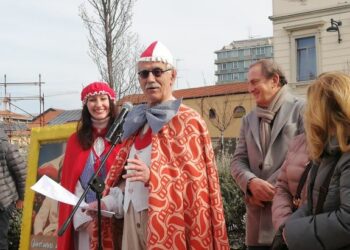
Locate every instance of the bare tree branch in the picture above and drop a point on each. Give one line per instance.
(112, 46)
(224, 113)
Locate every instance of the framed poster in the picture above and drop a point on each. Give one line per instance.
(40, 214)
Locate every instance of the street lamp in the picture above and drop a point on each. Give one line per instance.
(335, 27)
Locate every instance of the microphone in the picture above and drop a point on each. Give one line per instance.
(116, 130)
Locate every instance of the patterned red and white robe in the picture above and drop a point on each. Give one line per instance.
(185, 204)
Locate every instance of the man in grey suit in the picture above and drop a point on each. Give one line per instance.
(262, 146)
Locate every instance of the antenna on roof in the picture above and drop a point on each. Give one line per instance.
(188, 84)
(177, 69)
(204, 80)
(250, 34)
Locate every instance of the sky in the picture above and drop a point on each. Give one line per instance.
(48, 37)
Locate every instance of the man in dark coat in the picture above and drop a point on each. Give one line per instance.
(12, 184)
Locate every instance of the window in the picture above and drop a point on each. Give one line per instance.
(233, 53)
(240, 64)
(246, 52)
(241, 76)
(238, 112)
(306, 58)
(268, 51)
(212, 113)
(222, 55)
(247, 64)
(260, 51)
(305, 44)
(225, 77)
(225, 66)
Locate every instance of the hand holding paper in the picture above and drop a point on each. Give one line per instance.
(48, 187)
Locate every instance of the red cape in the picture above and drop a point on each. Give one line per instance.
(185, 205)
(73, 165)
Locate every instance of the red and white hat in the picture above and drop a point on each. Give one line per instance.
(157, 52)
(97, 88)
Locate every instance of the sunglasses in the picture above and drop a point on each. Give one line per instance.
(157, 72)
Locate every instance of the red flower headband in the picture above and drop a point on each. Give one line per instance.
(97, 88)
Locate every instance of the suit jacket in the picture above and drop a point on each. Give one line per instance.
(248, 162)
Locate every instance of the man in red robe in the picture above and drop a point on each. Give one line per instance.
(172, 196)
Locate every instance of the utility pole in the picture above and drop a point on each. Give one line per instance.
(178, 70)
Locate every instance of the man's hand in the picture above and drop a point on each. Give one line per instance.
(261, 190)
(19, 204)
(140, 171)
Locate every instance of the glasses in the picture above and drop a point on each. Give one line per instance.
(157, 72)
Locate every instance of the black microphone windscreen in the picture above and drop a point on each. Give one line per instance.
(127, 105)
(117, 127)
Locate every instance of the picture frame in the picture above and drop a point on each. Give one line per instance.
(46, 151)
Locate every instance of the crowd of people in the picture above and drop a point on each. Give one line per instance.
(291, 163)
(164, 182)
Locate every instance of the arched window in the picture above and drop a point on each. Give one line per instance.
(212, 113)
(238, 112)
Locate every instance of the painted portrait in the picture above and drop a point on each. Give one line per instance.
(40, 214)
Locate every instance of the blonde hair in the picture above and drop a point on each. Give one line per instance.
(327, 112)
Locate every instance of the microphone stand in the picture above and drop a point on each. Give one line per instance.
(97, 185)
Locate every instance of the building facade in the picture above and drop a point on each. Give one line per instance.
(304, 44)
(233, 60)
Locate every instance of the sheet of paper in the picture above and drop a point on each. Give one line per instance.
(48, 187)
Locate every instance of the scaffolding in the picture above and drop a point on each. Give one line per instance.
(7, 99)
(10, 120)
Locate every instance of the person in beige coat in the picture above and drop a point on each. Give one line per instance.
(297, 161)
(263, 143)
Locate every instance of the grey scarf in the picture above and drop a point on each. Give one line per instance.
(156, 116)
(267, 115)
